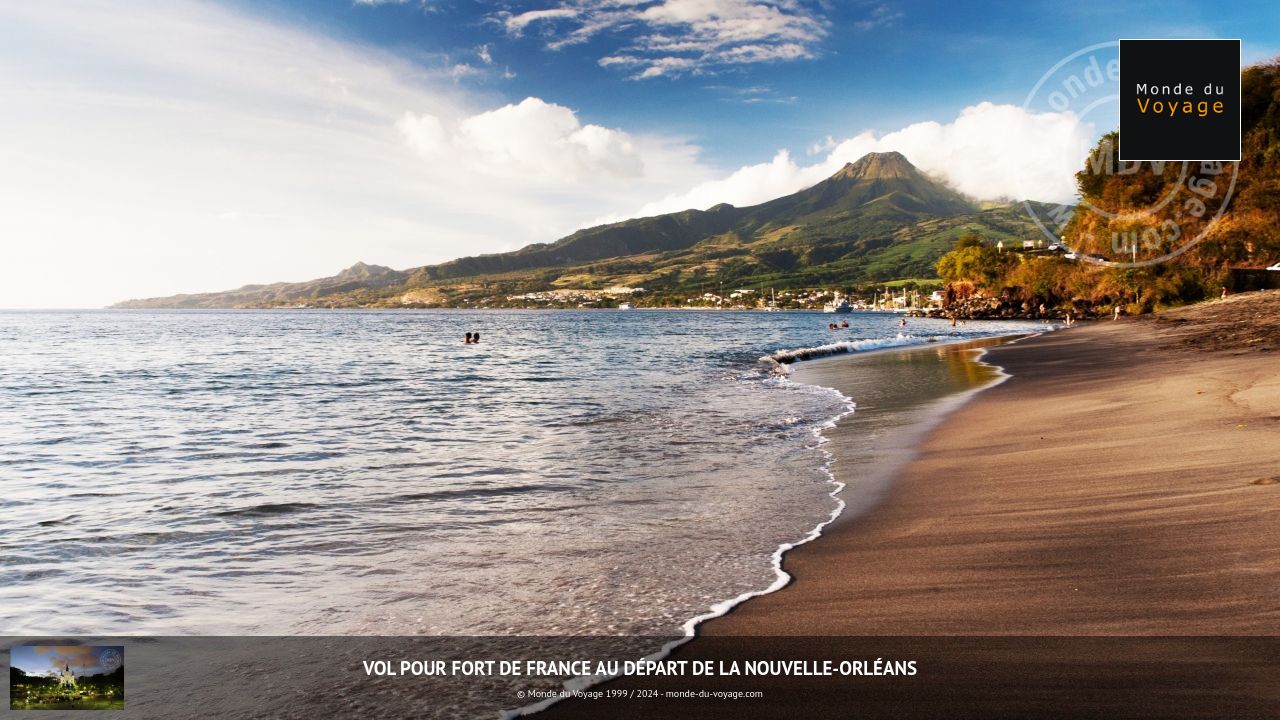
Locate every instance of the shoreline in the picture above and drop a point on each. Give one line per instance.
(1118, 488)
(921, 416)
(924, 416)
(1012, 455)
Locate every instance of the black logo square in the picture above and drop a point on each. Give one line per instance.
(1179, 100)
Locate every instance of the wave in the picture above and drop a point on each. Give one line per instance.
(267, 509)
(780, 359)
(786, 357)
(689, 629)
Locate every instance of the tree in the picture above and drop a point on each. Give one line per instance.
(972, 260)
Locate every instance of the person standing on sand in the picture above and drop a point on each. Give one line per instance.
(1116, 316)
(1224, 292)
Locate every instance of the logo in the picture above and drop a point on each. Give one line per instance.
(1180, 99)
(1127, 213)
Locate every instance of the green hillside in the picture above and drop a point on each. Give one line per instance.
(877, 219)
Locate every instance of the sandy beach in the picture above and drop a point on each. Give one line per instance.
(1124, 481)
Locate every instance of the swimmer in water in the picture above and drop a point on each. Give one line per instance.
(468, 340)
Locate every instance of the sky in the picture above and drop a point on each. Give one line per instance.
(153, 147)
(43, 659)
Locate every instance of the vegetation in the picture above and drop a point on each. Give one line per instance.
(103, 691)
(1246, 235)
(874, 221)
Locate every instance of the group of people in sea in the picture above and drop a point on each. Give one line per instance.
(845, 323)
(472, 339)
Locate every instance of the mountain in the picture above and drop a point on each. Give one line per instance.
(879, 184)
(355, 278)
(879, 218)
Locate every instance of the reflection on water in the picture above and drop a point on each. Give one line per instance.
(368, 473)
(899, 395)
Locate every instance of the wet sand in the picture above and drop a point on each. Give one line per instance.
(1123, 481)
(1117, 495)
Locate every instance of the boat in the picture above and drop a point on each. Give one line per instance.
(772, 305)
(839, 306)
(626, 306)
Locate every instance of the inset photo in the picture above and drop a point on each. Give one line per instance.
(66, 677)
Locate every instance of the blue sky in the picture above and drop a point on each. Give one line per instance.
(876, 65)
(42, 659)
(167, 146)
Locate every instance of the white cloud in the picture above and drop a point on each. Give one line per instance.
(990, 152)
(178, 146)
(882, 15)
(677, 37)
(533, 140)
(461, 70)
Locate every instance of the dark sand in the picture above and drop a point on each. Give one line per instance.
(1116, 484)
(1125, 481)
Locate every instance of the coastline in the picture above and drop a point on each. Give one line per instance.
(1121, 482)
(1001, 525)
(946, 375)
(878, 434)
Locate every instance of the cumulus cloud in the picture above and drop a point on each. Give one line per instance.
(989, 152)
(677, 37)
(190, 147)
(533, 140)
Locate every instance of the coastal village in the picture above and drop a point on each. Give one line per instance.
(924, 296)
(887, 298)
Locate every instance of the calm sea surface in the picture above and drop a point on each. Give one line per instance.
(312, 472)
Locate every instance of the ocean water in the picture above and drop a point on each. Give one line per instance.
(312, 472)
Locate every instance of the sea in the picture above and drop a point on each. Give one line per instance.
(307, 472)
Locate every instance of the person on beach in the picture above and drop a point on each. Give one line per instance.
(1224, 292)
(468, 340)
(1116, 316)
(1069, 320)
